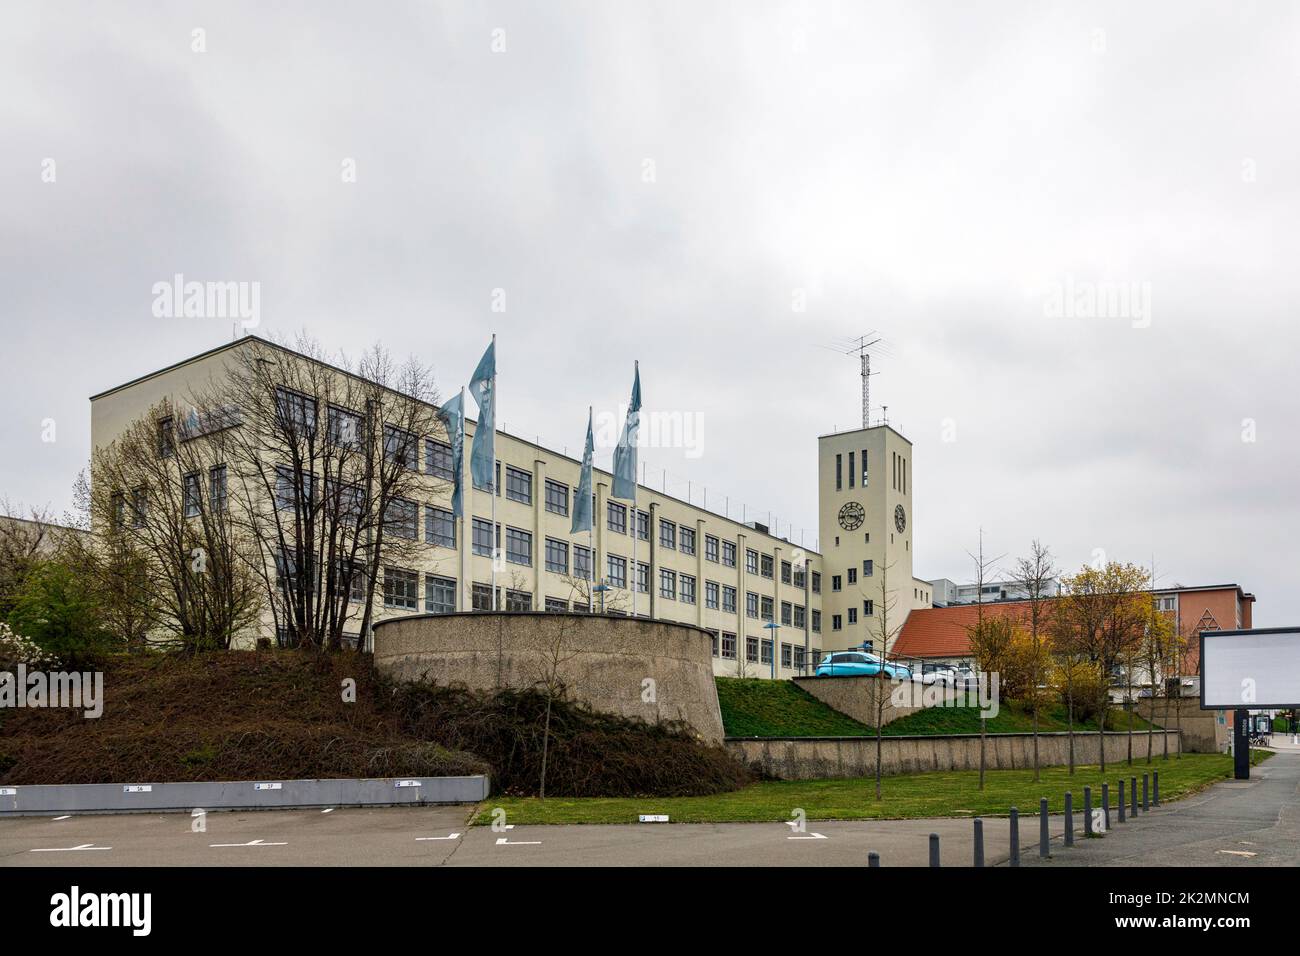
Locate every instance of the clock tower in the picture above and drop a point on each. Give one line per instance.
(865, 523)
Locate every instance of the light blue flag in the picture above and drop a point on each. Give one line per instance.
(452, 415)
(625, 453)
(582, 500)
(482, 461)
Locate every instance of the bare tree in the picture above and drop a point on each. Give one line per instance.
(1034, 575)
(887, 632)
(982, 568)
(326, 463)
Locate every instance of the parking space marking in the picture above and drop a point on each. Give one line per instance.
(503, 841)
(69, 849)
(811, 836)
(452, 836)
(249, 843)
(65, 817)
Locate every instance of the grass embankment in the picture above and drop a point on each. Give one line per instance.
(763, 708)
(945, 794)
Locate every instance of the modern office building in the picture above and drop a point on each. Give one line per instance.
(948, 592)
(665, 557)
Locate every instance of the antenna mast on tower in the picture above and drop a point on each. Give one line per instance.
(862, 347)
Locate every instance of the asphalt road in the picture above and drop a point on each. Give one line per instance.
(1250, 824)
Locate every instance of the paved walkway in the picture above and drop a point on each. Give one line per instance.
(1232, 824)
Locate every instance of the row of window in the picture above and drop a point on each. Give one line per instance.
(759, 651)
(839, 470)
(868, 569)
(837, 622)
(191, 495)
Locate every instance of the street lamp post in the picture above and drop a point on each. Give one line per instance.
(600, 589)
(773, 627)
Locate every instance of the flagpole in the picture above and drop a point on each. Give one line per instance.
(466, 588)
(492, 477)
(591, 530)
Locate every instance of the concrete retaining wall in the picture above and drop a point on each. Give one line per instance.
(654, 670)
(816, 758)
(1204, 731)
(856, 696)
(239, 795)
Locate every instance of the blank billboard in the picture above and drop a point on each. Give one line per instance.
(1257, 669)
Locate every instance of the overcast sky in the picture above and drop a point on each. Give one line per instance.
(721, 190)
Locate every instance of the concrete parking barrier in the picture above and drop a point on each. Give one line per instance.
(1015, 837)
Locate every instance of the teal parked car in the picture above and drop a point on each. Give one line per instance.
(860, 664)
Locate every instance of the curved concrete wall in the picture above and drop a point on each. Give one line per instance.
(654, 670)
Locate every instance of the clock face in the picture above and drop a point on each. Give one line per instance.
(851, 516)
(900, 518)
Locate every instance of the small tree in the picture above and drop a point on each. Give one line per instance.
(982, 568)
(56, 609)
(1034, 575)
(886, 630)
(1158, 649)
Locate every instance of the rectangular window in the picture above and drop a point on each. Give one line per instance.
(556, 604)
(439, 594)
(557, 556)
(751, 561)
(816, 582)
(767, 652)
(765, 608)
(617, 571)
(839, 472)
(850, 469)
(119, 509)
(667, 535)
(751, 604)
(643, 577)
(711, 595)
(139, 507)
(853, 575)
(864, 468)
(800, 616)
(853, 615)
(519, 485)
(482, 543)
(711, 548)
(729, 554)
(687, 589)
(402, 519)
(787, 656)
(766, 567)
(800, 658)
(787, 573)
(667, 584)
(217, 488)
(643, 525)
(868, 608)
(728, 646)
(401, 589)
(482, 597)
(837, 583)
(557, 497)
(787, 614)
(284, 491)
(295, 412)
(728, 600)
(837, 623)
(519, 600)
(868, 568)
(343, 428)
(401, 447)
(616, 517)
(349, 578)
(519, 546)
(439, 527)
(166, 437)
(581, 563)
(686, 540)
(193, 497)
(817, 621)
(713, 639)
(437, 459)
(496, 474)
(751, 649)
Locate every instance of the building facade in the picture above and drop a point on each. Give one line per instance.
(664, 557)
(948, 592)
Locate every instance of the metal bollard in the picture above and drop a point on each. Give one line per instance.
(873, 858)
(1122, 804)
(1146, 803)
(1044, 835)
(1087, 811)
(1069, 818)
(1105, 806)
(1155, 787)
(979, 842)
(1015, 837)
(1133, 796)
(934, 849)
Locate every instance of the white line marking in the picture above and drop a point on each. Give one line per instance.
(811, 836)
(452, 836)
(502, 841)
(249, 843)
(1238, 852)
(67, 817)
(65, 849)
(330, 810)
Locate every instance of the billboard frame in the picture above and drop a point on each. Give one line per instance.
(1200, 669)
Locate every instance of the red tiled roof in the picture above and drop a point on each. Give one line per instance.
(942, 631)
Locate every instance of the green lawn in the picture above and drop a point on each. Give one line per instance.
(944, 794)
(752, 707)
